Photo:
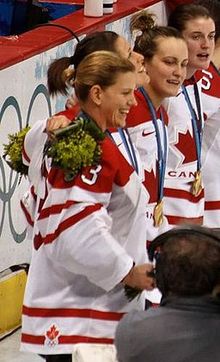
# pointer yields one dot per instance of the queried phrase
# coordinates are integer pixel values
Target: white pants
(89, 352)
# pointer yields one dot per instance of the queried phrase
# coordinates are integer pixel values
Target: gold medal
(158, 214)
(197, 184)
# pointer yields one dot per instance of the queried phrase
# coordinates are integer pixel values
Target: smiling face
(166, 69)
(123, 48)
(199, 34)
(116, 100)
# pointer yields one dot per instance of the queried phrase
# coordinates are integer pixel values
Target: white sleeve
(86, 246)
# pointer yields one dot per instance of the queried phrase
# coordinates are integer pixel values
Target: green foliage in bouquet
(75, 146)
(13, 151)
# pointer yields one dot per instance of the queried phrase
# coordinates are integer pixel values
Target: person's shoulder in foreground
(176, 332)
(186, 326)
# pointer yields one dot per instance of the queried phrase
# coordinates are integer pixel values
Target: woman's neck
(95, 114)
(190, 72)
(154, 97)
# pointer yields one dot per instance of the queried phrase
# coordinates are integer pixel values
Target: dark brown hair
(214, 9)
(146, 42)
(59, 72)
(186, 12)
(188, 263)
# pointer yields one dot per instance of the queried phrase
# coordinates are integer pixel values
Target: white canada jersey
(88, 232)
(211, 145)
(142, 131)
(143, 134)
(181, 206)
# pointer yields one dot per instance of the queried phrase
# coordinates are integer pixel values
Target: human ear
(96, 94)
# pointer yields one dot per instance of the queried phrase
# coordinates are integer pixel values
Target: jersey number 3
(94, 174)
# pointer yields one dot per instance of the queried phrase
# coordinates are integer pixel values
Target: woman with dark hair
(184, 190)
(210, 80)
(104, 40)
(165, 60)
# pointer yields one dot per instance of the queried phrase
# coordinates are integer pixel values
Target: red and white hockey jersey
(33, 158)
(181, 206)
(33, 148)
(211, 145)
(88, 232)
(143, 135)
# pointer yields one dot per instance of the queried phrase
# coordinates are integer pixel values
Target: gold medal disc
(158, 214)
(197, 184)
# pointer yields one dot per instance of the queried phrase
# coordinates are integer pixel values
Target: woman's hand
(141, 277)
(56, 122)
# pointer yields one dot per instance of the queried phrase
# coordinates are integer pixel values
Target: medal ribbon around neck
(197, 132)
(128, 146)
(162, 157)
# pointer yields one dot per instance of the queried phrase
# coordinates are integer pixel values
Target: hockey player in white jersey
(184, 189)
(210, 80)
(89, 233)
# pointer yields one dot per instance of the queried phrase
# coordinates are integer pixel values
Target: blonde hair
(102, 68)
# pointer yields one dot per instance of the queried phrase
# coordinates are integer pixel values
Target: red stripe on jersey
(25, 155)
(33, 193)
(212, 205)
(48, 239)
(83, 339)
(28, 338)
(67, 312)
(182, 194)
(177, 220)
(42, 201)
(27, 215)
(140, 113)
(55, 209)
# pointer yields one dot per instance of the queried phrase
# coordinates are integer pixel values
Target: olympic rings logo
(8, 184)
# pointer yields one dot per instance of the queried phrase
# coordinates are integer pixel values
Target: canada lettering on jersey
(181, 174)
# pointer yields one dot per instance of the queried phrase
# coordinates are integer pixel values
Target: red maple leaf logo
(151, 184)
(52, 333)
(186, 146)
